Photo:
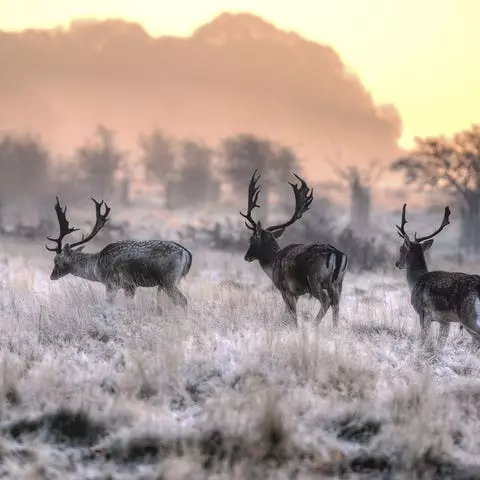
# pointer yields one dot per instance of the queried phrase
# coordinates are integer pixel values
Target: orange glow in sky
(422, 56)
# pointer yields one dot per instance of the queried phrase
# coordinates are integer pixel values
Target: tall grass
(226, 389)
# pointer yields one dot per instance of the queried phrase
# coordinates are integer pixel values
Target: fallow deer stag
(440, 296)
(297, 269)
(126, 264)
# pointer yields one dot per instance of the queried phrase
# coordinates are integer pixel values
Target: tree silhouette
(360, 182)
(24, 170)
(450, 165)
(100, 161)
(246, 152)
(158, 156)
(243, 154)
(195, 182)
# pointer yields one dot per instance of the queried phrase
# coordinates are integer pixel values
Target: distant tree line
(192, 172)
(189, 172)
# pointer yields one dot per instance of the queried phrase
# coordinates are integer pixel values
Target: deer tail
(188, 263)
(340, 264)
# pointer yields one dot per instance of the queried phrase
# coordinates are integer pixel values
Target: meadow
(226, 389)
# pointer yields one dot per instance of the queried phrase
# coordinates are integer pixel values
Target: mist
(235, 74)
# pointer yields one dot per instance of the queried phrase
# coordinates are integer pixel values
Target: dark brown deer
(297, 269)
(440, 296)
(126, 264)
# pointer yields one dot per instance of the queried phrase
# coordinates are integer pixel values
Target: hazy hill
(236, 73)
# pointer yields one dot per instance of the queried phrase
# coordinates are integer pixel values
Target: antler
(445, 222)
(100, 222)
(401, 230)
(253, 192)
(303, 199)
(65, 228)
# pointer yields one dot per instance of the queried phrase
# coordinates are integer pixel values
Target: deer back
(303, 263)
(150, 259)
(444, 291)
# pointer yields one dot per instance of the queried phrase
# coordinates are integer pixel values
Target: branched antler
(253, 192)
(100, 222)
(404, 235)
(65, 228)
(401, 230)
(445, 222)
(303, 199)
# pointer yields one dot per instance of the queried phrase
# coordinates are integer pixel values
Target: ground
(226, 390)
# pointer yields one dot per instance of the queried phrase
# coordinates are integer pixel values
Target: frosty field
(226, 390)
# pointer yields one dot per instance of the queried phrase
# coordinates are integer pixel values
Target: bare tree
(195, 182)
(100, 161)
(24, 170)
(282, 163)
(245, 152)
(450, 165)
(65, 173)
(158, 156)
(360, 182)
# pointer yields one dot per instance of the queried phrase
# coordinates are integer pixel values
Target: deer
(125, 264)
(445, 297)
(316, 269)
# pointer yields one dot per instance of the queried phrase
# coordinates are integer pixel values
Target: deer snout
(248, 257)
(399, 265)
(56, 274)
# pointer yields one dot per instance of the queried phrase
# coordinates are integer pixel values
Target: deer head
(65, 255)
(411, 249)
(264, 239)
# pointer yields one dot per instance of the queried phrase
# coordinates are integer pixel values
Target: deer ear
(79, 249)
(66, 249)
(426, 245)
(258, 226)
(278, 233)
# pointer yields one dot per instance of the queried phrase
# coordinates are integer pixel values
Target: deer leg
(111, 293)
(159, 294)
(321, 295)
(335, 314)
(475, 333)
(325, 302)
(338, 287)
(443, 335)
(179, 299)
(130, 292)
(470, 320)
(425, 322)
(290, 306)
(335, 299)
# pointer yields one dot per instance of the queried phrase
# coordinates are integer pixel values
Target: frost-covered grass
(225, 389)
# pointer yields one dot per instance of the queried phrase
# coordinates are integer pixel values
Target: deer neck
(267, 257)
(85, 266)
(416, 267)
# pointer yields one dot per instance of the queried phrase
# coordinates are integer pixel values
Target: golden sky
(423, 56)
